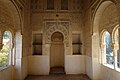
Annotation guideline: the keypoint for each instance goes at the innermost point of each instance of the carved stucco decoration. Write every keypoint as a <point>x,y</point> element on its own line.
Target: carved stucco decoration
<point>6,19</point>
<point>93,8</point>
<point>109,19</point>
<point>5,15</point>
<point>52,27</point>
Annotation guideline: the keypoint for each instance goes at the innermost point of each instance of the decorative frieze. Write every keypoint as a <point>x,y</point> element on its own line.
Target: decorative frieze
<point>55,5</point>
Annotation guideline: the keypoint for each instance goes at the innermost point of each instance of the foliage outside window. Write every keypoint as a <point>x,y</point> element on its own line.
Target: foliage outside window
<point>108,49</point>
<point>4,53</point>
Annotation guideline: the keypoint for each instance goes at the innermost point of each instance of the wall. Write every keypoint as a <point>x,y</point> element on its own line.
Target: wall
<point>87,30</point>
<point>26,39</point>
<point>39,18</point>
<point>75,64</point>
<point>40,65</point>
<point>105,17</point>
<point>109,74</point>
<point>109,19</point>
<point>88,67</point>
<point>24,67</point>
<point>7,73</point>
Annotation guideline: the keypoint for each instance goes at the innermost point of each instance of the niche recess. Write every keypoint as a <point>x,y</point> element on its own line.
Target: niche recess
<point>37,44</point>
<point>76,44</point>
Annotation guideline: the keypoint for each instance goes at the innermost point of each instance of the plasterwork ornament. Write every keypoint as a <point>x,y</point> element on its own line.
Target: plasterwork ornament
<point>52,27</point>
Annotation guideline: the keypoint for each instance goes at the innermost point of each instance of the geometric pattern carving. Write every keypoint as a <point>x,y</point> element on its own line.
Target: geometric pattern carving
<point>5,17</point>
<point>57,37</point>
<point>109,19</point>
<point>52,27</point>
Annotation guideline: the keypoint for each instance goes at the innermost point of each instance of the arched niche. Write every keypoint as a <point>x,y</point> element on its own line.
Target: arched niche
<point>57,37</point>
<point>50,28</point>
<point>57,50</point>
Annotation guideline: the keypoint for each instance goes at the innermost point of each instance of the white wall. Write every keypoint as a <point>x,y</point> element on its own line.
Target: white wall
<point>24,67</point>
<point>96,67</point>
<point>74,64</point>
<point>89,71</point>
<point>38,65</point>
<point>105,73</point>
<point>6,74</point>
<point>109,74</point>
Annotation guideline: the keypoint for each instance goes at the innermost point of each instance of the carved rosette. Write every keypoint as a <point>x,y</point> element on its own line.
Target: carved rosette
<point>52,27</point>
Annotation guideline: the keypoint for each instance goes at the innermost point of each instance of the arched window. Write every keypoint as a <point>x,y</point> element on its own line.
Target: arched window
<point>5,53</point>
<point>116,47</point>
<point>108,52</point>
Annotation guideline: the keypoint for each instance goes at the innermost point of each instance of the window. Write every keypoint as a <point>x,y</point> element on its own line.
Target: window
<point>64,4</point>
<point>50,4</point>
<point>5,52</point>
<point>116,41</point>
<point>37,44</point>
<point>107,49</point>
<point>76,44</point>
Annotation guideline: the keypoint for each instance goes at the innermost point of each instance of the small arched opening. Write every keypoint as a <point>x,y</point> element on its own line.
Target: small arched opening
<point>107,53</point>
<point>115,40</point>
<point>6,51</point>
<point>57,52</point>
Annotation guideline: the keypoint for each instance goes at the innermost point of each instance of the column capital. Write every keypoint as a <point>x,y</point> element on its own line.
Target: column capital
<point>113,45</point>
<point>102,45</point>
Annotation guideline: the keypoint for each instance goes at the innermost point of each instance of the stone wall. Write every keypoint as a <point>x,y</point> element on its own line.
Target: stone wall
<point>98,18</point>
<point>109,19</point>
<point>41,15</point>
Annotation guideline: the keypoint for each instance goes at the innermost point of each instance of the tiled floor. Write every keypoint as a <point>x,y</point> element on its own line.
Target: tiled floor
<point>59,77</point>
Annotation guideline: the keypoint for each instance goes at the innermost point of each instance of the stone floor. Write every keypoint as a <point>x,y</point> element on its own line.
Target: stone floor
<point>57,70</point>
<point>59,77</point>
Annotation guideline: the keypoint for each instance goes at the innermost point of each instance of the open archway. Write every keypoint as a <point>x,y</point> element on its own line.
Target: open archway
<point>11,19</point>
<point>98,27</point>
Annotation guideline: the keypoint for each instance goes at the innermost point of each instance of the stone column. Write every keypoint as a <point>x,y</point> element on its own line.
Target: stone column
<point>115,48</point>
<point>103,53</point>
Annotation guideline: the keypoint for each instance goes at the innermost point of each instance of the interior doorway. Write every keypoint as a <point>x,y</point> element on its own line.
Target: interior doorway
<point>57,53</point>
